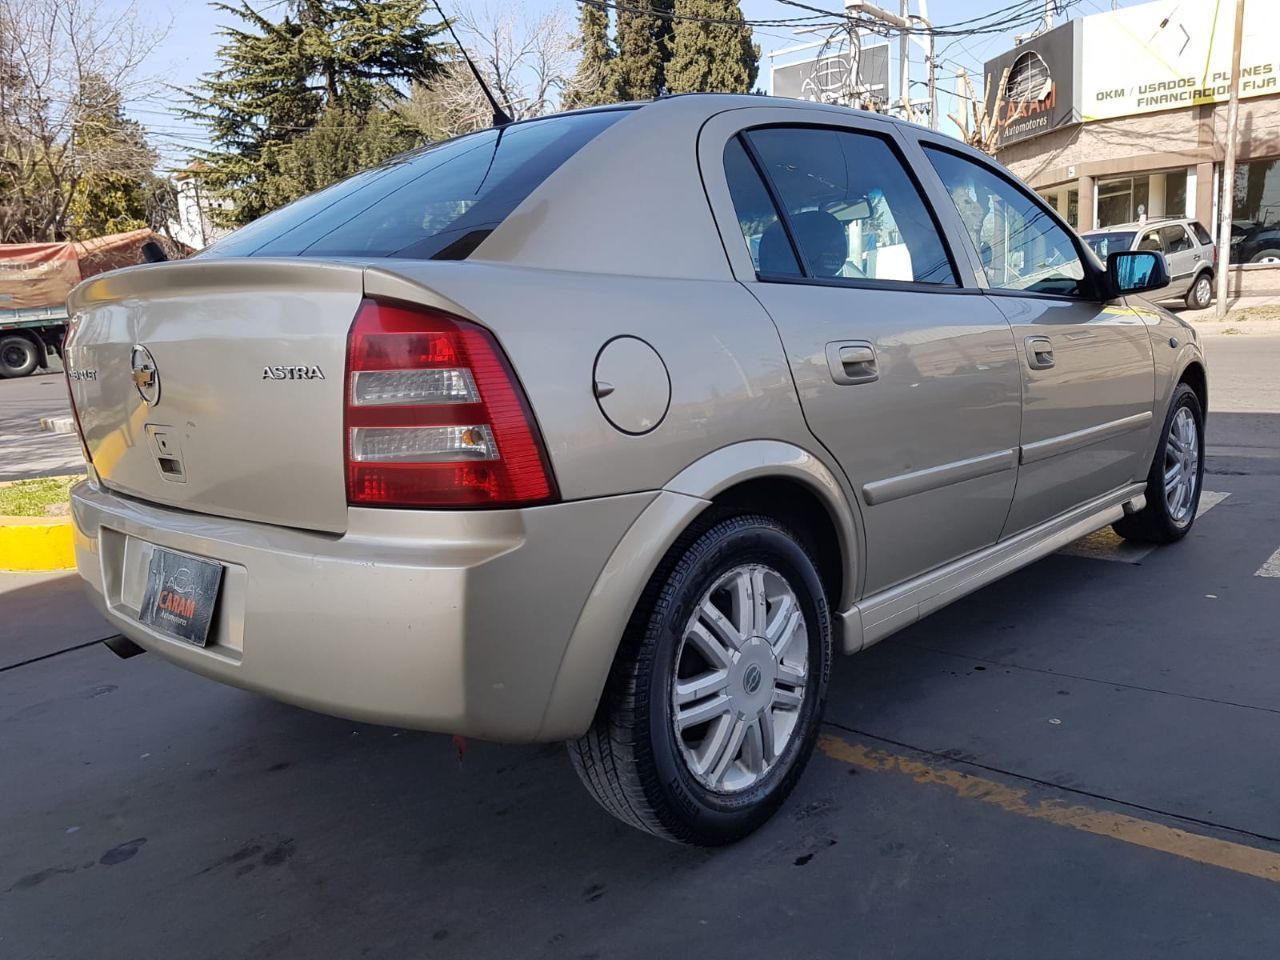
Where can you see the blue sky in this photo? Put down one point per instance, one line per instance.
(190, 46)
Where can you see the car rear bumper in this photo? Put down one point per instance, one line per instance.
(453, 621)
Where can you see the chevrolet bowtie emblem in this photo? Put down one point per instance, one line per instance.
(145, 376)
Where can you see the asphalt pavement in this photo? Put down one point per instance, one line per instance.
(1077, 761)
(25, 450)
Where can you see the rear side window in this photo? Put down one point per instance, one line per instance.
(1201, 233)
(438, 202)
(851, 207)
(771, 251)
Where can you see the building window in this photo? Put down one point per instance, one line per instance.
(1255, 217)
(1144, 197)
(1066, 202)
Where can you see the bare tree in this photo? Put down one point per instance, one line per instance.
(67, 68)
(526, 62)
(979, 127)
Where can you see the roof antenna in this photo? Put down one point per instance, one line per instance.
(500, 117)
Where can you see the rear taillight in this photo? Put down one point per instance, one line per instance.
(434, 415)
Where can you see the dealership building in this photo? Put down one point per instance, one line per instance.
(1122, 117)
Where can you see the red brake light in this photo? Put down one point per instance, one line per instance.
(434, 415)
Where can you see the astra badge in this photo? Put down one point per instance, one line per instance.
(297, 372)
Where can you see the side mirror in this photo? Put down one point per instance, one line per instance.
(1136, 271)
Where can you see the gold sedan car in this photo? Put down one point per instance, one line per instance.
(613, 426)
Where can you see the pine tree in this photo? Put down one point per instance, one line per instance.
(276, 79)
(644, 47)
(710, 56)
(593, 81)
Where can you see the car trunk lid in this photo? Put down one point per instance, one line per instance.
(218, 386)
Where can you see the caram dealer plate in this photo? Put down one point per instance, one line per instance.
(180, 596)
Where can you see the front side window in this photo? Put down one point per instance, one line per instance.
(1151, 240)
(1175, 238)
(1108, 243)
(852, 209)
(1022, 247)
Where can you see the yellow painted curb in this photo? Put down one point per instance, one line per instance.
(36, 543)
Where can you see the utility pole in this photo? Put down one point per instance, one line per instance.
(1049, 8)
(1227, 209)
(930, 50)
(904, 55)
(906, 25)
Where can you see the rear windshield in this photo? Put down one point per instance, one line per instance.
(1105, 243)
(438, 202)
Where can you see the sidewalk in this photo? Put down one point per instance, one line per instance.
(1246, 316)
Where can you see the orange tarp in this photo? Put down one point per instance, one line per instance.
(42, 274)
(37, 274)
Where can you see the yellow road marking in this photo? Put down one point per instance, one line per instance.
(1143, 833)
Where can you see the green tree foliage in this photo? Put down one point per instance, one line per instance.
(341, 143)
(71, 164)
(278, 78)
(593, 81)
(708, 56)
(644, 47)
(113, 192)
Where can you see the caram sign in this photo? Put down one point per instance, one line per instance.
(1040, 87)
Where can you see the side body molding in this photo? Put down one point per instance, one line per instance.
(593, 644)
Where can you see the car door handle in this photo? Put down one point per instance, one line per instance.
(852, 361)
(1039, 353)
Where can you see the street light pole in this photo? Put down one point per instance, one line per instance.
(1227, 210)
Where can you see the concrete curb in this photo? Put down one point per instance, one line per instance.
(58, 424)
(34, 544)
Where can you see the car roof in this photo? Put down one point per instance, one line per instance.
(1135, 226)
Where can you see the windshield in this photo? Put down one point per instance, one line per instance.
(1106, 243)
(438, 202)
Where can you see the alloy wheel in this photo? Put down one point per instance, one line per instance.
(1181, 466)
(740, 679)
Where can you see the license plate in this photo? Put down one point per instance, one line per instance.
(180, 596)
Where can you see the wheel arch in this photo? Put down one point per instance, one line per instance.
(765, 476)
(1194, 376)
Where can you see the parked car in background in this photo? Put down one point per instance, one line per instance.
(1255, 242)
(1187, 246)
(613, 426)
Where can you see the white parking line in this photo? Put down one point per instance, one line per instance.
(1271, 568)
(1106, 544)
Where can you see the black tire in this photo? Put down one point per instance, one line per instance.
(1201, 293)
(630, 760)
(1155, 524)
(1265, 256)
(18, 356)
